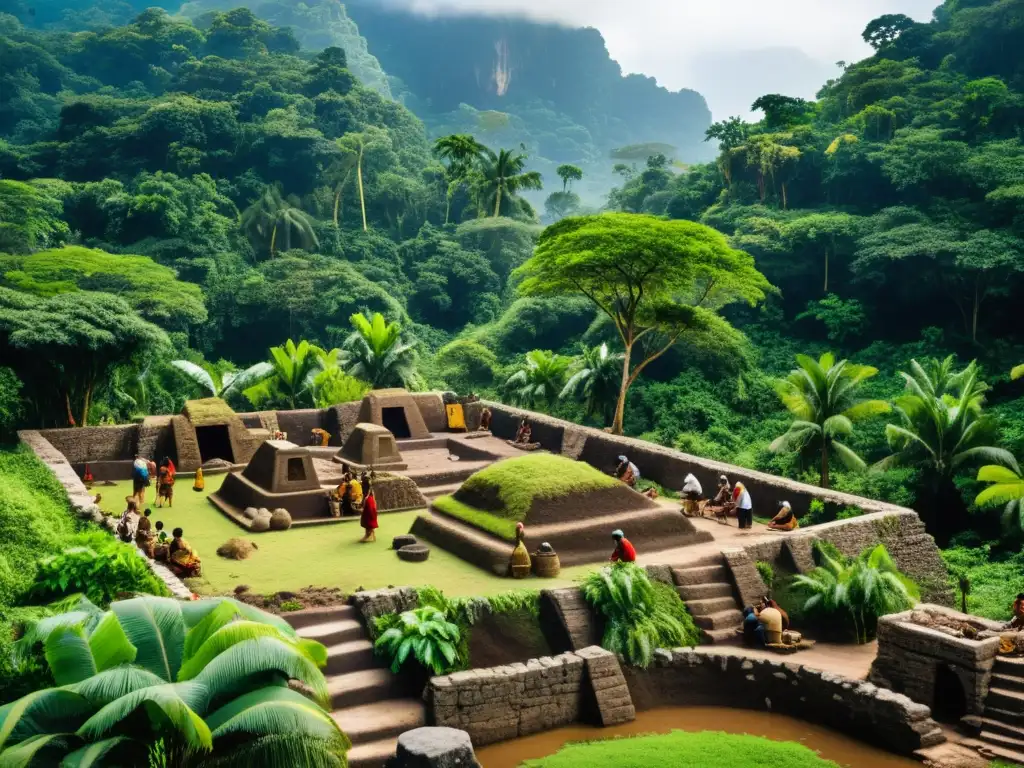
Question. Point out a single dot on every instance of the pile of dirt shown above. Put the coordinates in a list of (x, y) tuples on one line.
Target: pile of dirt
[(236, 549), (286, 602)]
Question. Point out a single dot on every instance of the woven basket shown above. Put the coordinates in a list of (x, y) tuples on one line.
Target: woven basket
[(520, 571), (546, 564)]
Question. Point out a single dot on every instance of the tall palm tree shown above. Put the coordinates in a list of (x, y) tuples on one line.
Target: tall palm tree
[(273, 216), (295, 366), (462, 152), (596, 377), (1007, 488), (155, 681), (540, 380), (502, 178), (377, 355), (943, 435), (822, 396), (224, 385)]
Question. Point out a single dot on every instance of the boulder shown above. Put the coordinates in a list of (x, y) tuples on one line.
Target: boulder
[(414, 553), (280, 520), (261, 522), (434, 748), (250, 513)]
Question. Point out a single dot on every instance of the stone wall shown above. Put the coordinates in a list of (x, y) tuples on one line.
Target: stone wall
[(299, 425), (568, 621), (80, 499), (745, 576), (900, 529), (89, 444), (377, 602), (516, 700), (683, 677), (910, 657)]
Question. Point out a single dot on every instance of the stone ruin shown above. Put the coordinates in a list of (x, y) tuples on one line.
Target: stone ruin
[(280, 475), (207, 430), (370, 446), (395, 410)]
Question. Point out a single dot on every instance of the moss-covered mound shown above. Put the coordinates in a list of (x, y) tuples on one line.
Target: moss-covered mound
[(538, 489), (696, 750)]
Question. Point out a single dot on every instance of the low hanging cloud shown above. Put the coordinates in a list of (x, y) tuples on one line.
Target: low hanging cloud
[(730, 50)]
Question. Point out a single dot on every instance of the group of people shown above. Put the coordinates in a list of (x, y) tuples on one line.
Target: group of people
[(144, 471), (354, 495), (733, 501), (764, 623), (154, 541)]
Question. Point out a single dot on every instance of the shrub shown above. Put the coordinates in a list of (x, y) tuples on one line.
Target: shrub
[(159, 681), (637, 619), (98, 566), (424, 635), (290, 605), (767, 573), (858, 590), (994, 581), (815, 513), (10, 403)]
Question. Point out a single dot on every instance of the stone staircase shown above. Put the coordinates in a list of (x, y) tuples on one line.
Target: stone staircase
[(1002, 726), (369, 703), (707, 590)]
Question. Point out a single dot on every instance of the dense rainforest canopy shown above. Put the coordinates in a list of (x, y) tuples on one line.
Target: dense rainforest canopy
[(248, 178)]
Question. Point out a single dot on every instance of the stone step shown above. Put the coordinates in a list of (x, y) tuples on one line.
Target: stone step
[(350, 656), (1011, 701), (310, 616), (711, 605), (933, 738), (1004, 716), (380, 720), (727, 636), (996, 752), (363, 687), (373, 754), (334, 632), (432, 492), (701, 574), (1006, 682), (1009, 665), (704, 591), (722, 620), (1003, 728), (1015, 743)]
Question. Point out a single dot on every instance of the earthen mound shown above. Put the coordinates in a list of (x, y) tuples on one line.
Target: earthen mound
[(236, 549)]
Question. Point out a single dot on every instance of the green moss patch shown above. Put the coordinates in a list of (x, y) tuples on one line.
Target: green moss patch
[(694, 750), (498, 497)]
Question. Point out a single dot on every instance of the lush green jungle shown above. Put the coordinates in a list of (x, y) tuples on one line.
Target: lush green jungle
[(283, 208)]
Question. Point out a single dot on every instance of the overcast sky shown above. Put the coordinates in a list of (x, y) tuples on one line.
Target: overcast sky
[(730, 50)]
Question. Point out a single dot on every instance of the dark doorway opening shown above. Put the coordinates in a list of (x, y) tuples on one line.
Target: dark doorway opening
[(393, 420), (950, 702), (215, 443), (296, 470)]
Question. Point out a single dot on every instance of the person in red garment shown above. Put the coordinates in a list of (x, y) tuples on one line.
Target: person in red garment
[(368, 519), (624, 551)]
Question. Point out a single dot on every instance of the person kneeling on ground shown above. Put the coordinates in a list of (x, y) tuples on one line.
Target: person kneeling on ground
[(785, 520), (524, 433), (184, 560), (692, 493), (750, 626), (144, 533), (624, 551), (160, 542), (767, 602)]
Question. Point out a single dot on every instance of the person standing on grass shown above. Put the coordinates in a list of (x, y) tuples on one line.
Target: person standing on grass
[(140, 479), (624, 551), (368, 518)]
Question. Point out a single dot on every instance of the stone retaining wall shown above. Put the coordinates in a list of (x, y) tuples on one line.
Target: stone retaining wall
[(910, 657), (860, 709), (376, 602), (516, 700), (88, 444), (80, 499)]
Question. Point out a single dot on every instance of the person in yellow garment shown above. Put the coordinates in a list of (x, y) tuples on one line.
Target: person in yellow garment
[(785, 520), (199, 484), (321, 437)]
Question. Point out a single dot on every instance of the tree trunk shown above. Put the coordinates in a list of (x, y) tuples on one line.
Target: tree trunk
[(620, 406), (86, 404), (273, 240), (785, 200), (497, 203), (337, 204), (826, 270), (448, 208), (362, 197), (824, 463), (67, 404), (974, 313)]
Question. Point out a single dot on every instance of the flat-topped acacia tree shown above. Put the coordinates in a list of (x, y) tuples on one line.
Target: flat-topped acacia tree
[(655, 279)]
